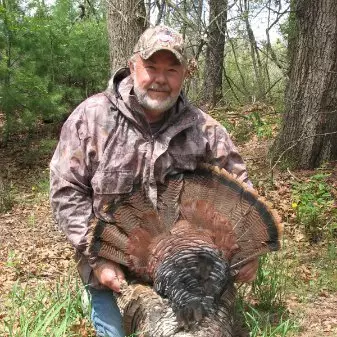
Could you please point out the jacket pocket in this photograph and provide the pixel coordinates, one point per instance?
(116, 182)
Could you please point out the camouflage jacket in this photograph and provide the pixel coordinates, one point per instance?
(106, 147)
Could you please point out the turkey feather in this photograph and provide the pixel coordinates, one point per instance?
(207, 224)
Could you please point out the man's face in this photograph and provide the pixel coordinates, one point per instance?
(157, 82)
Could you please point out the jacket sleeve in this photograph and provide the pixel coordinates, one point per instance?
(70, 191)
(224, 153)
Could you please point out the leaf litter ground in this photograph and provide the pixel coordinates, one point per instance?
(33, 251)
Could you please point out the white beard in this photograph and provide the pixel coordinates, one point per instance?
(153, 104)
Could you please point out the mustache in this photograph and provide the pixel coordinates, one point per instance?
(158, 87)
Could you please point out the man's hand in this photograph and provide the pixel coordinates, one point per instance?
(248, 272)
(109, 274)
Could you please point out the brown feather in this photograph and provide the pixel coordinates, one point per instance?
(111, 233)
(107, 251)
(203, 215)
(257, 228)
(138, 250)
(168, 199)
(147, 314)
(206, 226)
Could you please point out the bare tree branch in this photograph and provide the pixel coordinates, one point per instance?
(296, 142)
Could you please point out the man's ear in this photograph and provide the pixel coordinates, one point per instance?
(185, 73)
(131, 67)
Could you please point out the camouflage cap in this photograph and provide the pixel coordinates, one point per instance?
(161, 38)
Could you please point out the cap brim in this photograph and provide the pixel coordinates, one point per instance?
(145, 54)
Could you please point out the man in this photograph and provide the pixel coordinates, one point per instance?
(139, 131)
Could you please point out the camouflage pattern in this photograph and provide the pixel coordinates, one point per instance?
(106, 147)
(161, 38)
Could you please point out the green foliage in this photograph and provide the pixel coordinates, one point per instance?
(263, 303)
(241, 86)
(289, 27)
(41, 311)
(313, 203)
(43, 183)
(51, 61)
(269, 287)
(253, 124)
(7, 196)
(37, 151)
(264, 324)
(261, 127)
(31, 157)
(244, 126)
(317, 214)
(47, 146)
(12, 260)
(270, 283)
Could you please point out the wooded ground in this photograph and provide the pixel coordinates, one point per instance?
(37, 259)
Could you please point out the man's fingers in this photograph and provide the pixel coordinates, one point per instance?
(115, 280)
(114, 284)
(120, 274)
(110, 275)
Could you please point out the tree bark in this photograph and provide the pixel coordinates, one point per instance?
(126, 22)
(215, 52)
(308, 136)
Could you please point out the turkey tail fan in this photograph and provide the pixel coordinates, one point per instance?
(240, 222)
(206, 225)
(168, 199)
(126, 240)
(101, 234)
(256, 227)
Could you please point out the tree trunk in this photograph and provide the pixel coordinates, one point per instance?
(254, 53)
(6, 86)
(215, 52)
(126, 22)
(308, 135)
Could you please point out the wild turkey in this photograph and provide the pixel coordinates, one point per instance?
(182, 256)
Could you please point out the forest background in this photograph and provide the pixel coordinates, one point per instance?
(266, 69)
